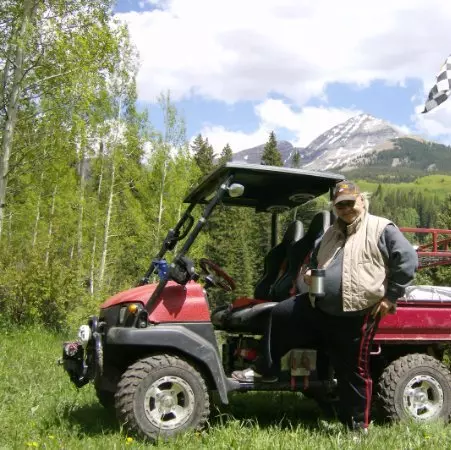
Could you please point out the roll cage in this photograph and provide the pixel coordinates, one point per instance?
(264, 188)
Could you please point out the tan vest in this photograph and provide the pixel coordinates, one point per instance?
(364, 271)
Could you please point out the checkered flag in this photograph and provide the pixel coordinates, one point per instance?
(442, 88)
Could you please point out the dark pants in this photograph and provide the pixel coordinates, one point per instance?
(346, 340)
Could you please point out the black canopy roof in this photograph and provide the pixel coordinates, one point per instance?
(267, 188)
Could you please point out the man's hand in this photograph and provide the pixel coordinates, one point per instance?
(384, 307)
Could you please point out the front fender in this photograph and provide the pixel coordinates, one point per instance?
(182, 340)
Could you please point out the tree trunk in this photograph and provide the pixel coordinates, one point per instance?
(179, 215)
(12, 102)
(160, 205)
(106, 231)
(93, 262)
(38, 212)
(82, 207)
(10, 227)
(36, 221)
(94, 242)
(50, 232)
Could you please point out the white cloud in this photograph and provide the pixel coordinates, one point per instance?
(307, 124)
(143, 3)
(403, 129)
(304, 125)
(435, 123)
(233, 50)
(218, 136)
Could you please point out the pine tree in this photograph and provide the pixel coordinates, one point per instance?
(271, 155)
(203, 154)
(262, 235)
(197, 144)
(296, 160)
(226, 155)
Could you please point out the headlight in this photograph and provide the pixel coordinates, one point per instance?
(122, 313)
(84, 334)
(127, 314)
(132, 308)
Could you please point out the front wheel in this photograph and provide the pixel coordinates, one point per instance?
(162, 396)
(416, 387)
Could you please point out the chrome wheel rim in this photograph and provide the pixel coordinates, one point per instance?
(423, 398)
(169, 402)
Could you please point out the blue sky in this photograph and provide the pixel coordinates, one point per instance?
(238, 69)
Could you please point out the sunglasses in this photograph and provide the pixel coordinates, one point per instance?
(345, 204)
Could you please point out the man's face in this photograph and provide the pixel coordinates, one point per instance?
(349, 210)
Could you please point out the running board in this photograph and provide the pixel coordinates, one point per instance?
(297, 385)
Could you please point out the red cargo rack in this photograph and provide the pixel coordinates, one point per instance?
(437, 251)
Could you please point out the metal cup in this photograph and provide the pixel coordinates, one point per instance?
(317, 283)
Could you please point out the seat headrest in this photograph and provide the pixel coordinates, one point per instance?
(319, 224)
(294, 232)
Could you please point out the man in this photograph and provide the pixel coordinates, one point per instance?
(368, 264)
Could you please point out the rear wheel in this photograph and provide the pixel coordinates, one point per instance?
(162, 396)
(416, 387)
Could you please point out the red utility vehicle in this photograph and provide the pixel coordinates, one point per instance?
(152, 352)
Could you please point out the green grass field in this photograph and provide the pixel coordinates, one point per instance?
(39, 408)
(439, 185)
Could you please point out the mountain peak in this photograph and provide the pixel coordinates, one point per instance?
(342, 143)
(363, 120)
(366, 116)
(363, 116)
(357, 142)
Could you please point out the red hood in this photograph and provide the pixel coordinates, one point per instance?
(137, 294)
(143, 293)
(177, 303)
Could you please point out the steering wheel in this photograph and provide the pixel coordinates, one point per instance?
(217, 276)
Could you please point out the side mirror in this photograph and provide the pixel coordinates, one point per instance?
(236, 190)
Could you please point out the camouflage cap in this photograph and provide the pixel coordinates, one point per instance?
(345, 190)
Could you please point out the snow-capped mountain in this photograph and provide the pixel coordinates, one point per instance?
(346, 145)
(343, 144)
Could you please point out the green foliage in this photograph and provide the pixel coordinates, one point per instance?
(429, 184)
(415, 204)
(33, 293)
(230, 244)
(261, 231)
(91, 187)
(226, 154)
(408, 160)
(271, 155)
(203, 154)
(296, 160)
(441, 275)
(233, 231)
(423, 203)
(444, 214)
